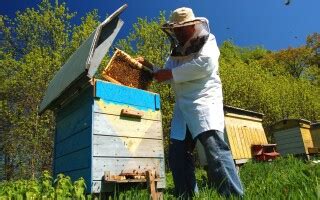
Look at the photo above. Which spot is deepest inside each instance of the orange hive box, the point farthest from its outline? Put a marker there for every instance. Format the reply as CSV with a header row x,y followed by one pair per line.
x,y
122,69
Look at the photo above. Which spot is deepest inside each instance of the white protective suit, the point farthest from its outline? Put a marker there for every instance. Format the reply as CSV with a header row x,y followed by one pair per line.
x,y
198,91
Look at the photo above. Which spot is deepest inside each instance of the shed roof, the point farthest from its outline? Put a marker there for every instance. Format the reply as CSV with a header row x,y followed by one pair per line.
x,y
84,62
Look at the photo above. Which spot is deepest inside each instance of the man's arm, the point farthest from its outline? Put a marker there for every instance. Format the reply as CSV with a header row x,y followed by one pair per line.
x,y
195,69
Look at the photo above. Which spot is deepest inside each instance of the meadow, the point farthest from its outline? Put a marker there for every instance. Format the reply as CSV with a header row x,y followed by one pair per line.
x,y
284,178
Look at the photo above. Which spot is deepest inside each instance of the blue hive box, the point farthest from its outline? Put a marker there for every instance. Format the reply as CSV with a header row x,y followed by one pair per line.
x,y
104,131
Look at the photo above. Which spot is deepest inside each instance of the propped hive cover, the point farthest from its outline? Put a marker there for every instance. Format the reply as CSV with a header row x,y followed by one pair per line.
x,y
84,62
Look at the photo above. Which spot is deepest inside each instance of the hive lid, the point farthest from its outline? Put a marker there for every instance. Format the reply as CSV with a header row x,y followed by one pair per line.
x,y
83,63
315,125
240,111
290,123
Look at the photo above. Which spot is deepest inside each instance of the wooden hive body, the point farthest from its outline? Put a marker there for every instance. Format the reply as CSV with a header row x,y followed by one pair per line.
x,y
292,136
243,128
92,137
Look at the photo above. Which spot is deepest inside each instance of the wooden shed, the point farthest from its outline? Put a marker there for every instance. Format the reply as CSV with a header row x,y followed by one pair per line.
x,y
243,128
293,136
104,132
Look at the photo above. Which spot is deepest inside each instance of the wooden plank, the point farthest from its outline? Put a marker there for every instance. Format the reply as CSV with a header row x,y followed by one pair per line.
x,y
74,143
129,127
84,99
244,117
294,140
262,135
288,137
230,120
289,140
240,145
152,185
285,125
73,125
74,161
238,142
101,186
251,132
292,132
307,139
292,151
244,144
75,120
315,133
119,94
290,146
255,136
101,106
231,140
241,161
247,133
127,147
126,165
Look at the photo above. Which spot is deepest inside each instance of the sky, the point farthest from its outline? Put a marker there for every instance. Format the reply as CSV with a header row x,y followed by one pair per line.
x,y
248,23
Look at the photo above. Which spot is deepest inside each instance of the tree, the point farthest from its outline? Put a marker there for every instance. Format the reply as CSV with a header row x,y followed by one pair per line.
x,y
313,42
34,45
295,60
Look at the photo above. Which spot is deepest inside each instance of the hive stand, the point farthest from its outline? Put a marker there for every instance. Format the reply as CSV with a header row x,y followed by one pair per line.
x,y
264,152
148,177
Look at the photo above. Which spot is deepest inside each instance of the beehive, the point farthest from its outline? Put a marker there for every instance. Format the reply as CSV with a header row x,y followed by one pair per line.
x,y
105,132
127,71
292,136
243,128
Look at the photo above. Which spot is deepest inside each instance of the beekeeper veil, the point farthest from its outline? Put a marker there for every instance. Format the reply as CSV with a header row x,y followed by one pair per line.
x,y
183,17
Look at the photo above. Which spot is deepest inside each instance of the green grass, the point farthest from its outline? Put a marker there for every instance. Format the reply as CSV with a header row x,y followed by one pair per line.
x,y
285,178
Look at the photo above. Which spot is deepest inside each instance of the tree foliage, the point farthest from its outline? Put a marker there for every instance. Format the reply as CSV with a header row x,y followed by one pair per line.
x,y
34,45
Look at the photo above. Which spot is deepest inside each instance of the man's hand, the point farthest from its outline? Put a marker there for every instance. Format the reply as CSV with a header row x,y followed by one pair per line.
x,y
162,75
144,62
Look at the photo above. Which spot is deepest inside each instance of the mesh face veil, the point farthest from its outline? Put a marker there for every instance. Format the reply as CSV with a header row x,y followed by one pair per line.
x,y
201,30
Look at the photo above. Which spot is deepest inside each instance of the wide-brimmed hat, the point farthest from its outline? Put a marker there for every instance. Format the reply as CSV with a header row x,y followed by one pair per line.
x,y
182,17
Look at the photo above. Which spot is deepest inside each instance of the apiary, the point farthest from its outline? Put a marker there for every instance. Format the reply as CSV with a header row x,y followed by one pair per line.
x,y
106,132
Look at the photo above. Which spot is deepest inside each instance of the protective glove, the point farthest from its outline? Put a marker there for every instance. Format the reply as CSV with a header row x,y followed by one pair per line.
x,y
162,75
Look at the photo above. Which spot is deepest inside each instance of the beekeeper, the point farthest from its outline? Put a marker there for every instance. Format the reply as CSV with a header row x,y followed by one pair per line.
x,y
192,70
